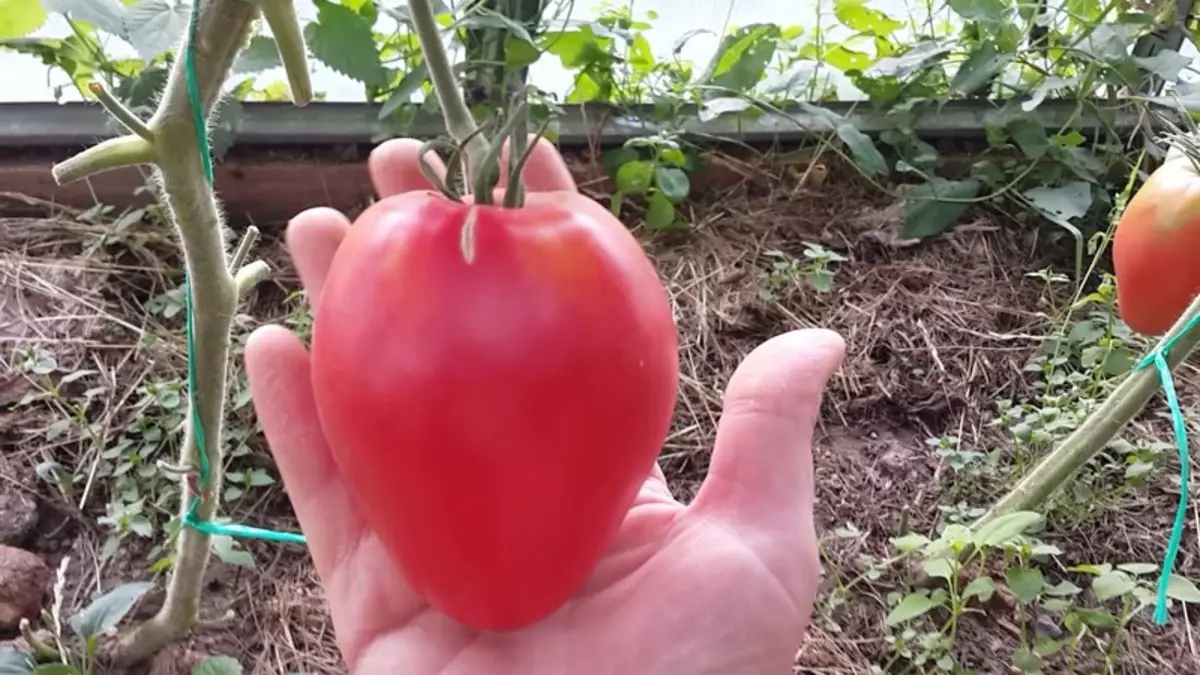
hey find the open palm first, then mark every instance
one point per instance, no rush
(723, 585)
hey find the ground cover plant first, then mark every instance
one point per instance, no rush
(975, 296)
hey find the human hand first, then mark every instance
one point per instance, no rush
(724, 586)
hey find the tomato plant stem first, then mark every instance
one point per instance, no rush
(280, 16)
(459, 122)
(1126, 401)
(169, 141)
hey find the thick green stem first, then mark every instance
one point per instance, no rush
(1126, 401)
(122, 114)
(459, 122)
(289, 38)
(223, 28)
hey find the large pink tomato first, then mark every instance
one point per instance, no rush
(496, 385)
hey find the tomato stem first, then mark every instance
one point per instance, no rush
(489, 172)
(459, 122)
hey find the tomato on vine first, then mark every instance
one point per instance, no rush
(1156, 244)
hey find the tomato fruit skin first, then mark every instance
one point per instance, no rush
(1155, 247)
(494, 397)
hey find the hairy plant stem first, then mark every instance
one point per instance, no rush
(1125, 402)
(459, 122)
(223, 29)
(285, 26)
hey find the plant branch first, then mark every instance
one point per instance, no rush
(114, 153)
(249, 275)
(223, 27)
(243, 250)
(122, 114)
(289, 38)
(459, 122)
(42, 651)
(1126, 401)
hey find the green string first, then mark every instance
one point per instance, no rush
(190, 519)
(1159, 359)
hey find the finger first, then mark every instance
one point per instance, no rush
(544, 171)
(761, 473)
(366, 594)
(277, 367)
(312, 238)
(394, 167)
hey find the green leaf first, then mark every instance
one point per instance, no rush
(13, 662)
(1065, 202)
(1166, 64)
(342, 39)
(635, 178)
(912, 606)
(981, 587)
(218, 665)
(1026, 661)
(988, 12)
(261, 54)
(226, 548)
(979, 68)
(742, 57)
(660, 212)
(916, 58)
(105, 15)
(1182, 589)
(1030, 136)
(1046, 646)
(925, 214)
(155, 26)
(910, 542)
(1138, 569)
(866, 156)
(1111, 585)
(855, 14)
(19, 18)
(403, 93)
(715, 107)
(1025, 583)
(489, 19)
(1003, 529)
(106, 611)
(672, 182)
(938, 568)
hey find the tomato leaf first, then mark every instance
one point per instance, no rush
(341, 38)
(925, 214)
(672, 182)
(1030, 137)
(155, 26)
(19, 18)
(261, 54)
(403, 93)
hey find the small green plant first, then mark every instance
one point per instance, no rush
(654, 169)
(925, 621)
(816, 270)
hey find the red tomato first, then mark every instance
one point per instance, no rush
(496, 385)
(1156, 245)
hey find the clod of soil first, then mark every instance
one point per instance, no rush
(24, 579)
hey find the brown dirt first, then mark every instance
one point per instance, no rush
(936, 333)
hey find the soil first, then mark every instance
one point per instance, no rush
(936, 333)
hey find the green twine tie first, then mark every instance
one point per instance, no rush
(190, 518)
(1159, 359)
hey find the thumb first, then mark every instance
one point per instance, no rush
(761, 473)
